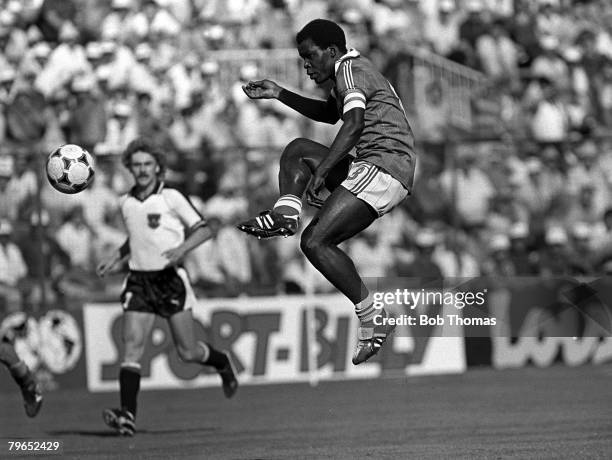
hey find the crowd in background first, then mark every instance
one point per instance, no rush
(536, 201)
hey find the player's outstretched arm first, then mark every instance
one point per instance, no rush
(318, 110)
(107, 265)
(198, 236)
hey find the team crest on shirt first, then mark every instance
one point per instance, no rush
(153, 220)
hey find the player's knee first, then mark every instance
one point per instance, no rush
(187, 355)
(134, 348)
(310, 243)
(293, 152)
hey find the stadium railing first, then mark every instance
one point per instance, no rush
(416, 68)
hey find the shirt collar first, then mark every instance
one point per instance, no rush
(157, 190)
(351, 53)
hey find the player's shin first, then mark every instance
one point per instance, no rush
(32, 396)
(129, 384)
(22, 375)
(8, 356)
(212, 356)
(221, 361)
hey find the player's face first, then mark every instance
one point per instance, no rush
(144, 168)
(319, 63)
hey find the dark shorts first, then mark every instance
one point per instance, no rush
(164, 293)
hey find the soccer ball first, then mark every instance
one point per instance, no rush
(70, 168)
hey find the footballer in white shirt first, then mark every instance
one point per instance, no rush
(156, 218)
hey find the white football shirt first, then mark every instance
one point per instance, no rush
(156, 224)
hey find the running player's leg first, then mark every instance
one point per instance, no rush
(32, 396)
(297, 163)
(137, 326)
(342, 216)
(192, 351)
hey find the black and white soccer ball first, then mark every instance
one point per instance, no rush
(70, 168)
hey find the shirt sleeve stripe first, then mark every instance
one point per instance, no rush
(354, 104)
(348, 77)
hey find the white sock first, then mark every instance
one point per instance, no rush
(289, 201)
(365, 309)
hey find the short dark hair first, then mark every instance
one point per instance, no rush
(323, 33)
(140, 144)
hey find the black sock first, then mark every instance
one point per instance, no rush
(129, 384)
(215, 358)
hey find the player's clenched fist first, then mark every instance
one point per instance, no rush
(262, 89)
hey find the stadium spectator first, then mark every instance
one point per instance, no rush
(185, 134)
(66, 61)
(228, 203)
(442, 27)
(453, 258)
(497, 53)
(13, 270)
(13, 39)
(100, 204)
(524, 32)
(578, 79)
(590, 169)
(25, 110)
(499, 261)
(524, 260)
(604, 90)
(432, 128)
(25, 179)
(53, 14)
(472, 190)
(428, 205)
(550, 121)
(87, 122)
(583, 208)
(221, 266)
(298, 276)
(549, 20)
(121, 128)
(45, 259)
(372, 256)
(420, 265)
(77, 239)
(558, 258)
(550, 65)
(117, 24)
(9, 189)
(474, 25)
(584, 257)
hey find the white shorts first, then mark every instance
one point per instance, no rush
(373, 185)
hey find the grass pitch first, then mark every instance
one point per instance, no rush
(557, 412)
